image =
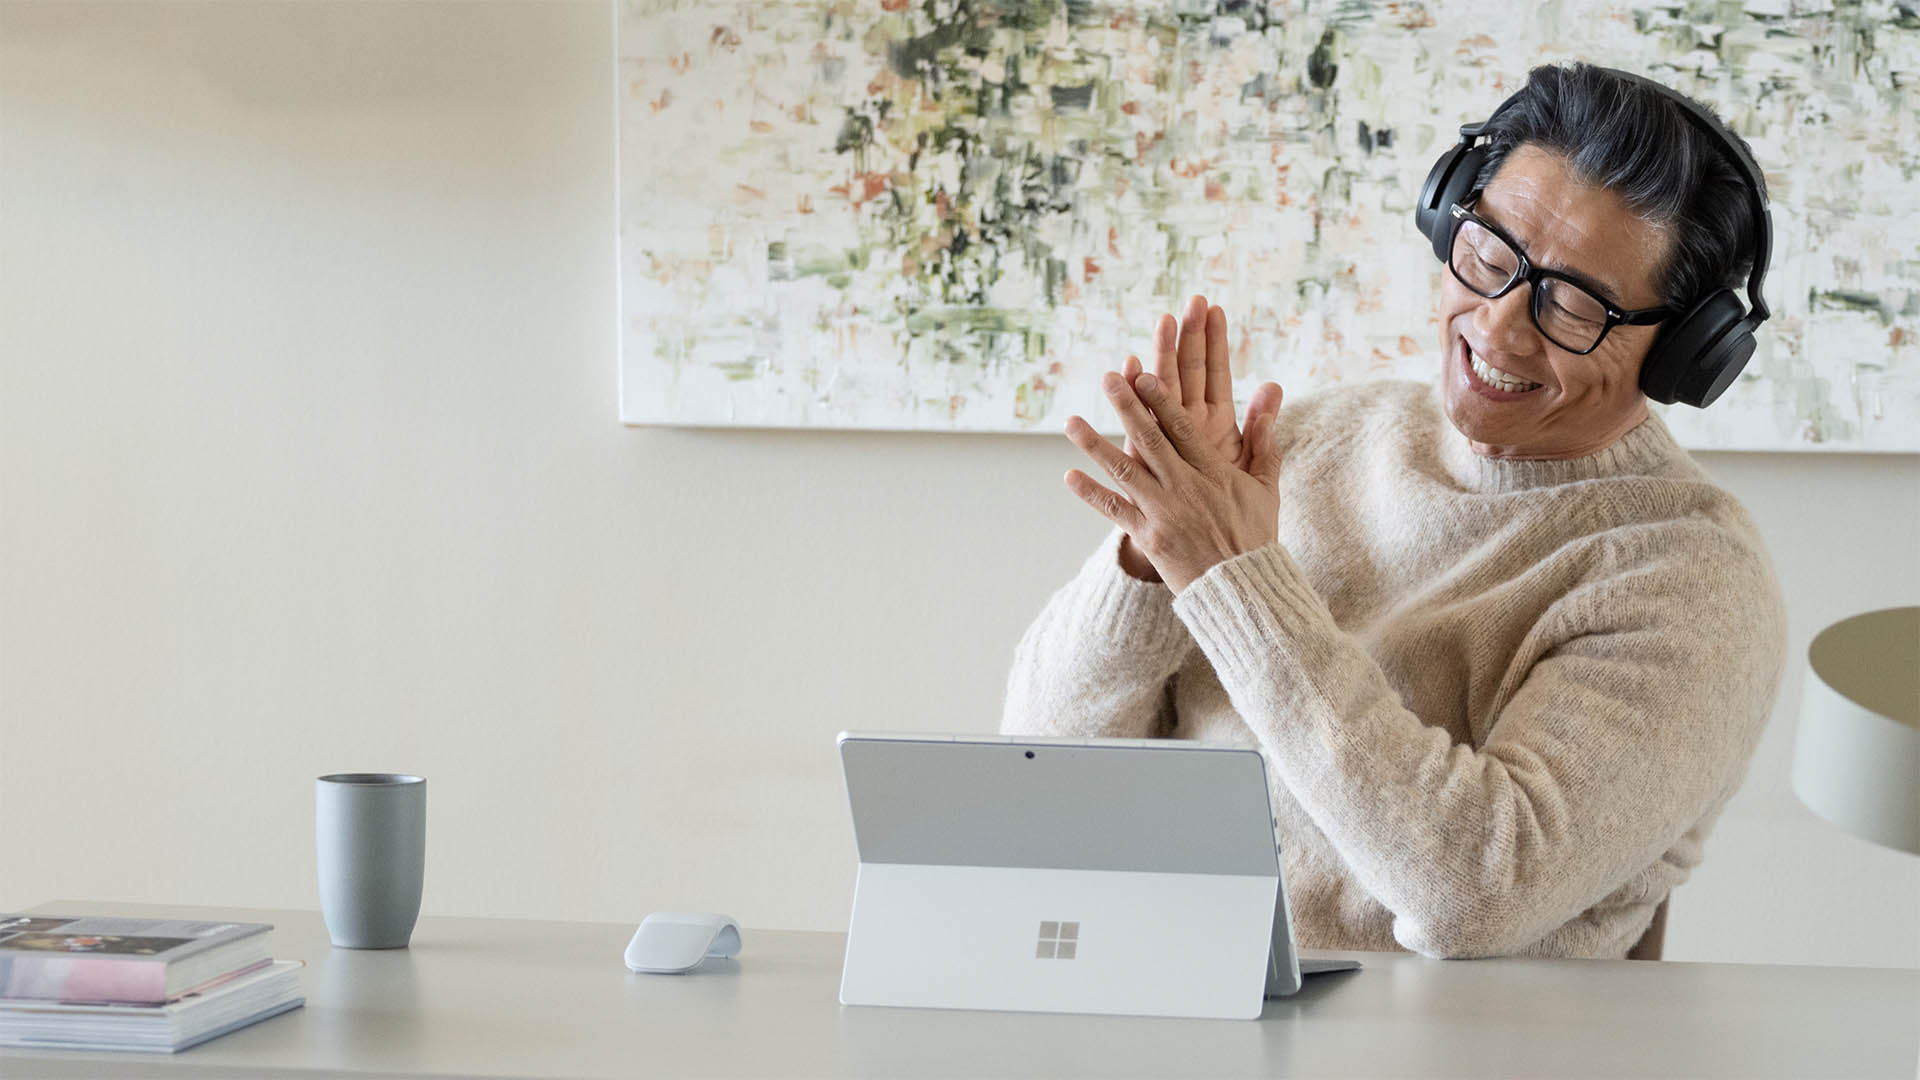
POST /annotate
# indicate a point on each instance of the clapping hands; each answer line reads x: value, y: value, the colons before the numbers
x: 1195, y: 487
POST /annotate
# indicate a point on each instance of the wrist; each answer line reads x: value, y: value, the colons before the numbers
x: 1135, y: 564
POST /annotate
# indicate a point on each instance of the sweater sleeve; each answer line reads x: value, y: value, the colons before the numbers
x: 1637, y: 721
x: 1097, y: 659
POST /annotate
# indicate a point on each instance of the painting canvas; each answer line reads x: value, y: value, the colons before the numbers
x: 954, y: 214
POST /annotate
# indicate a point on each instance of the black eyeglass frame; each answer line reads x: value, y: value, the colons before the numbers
x: 1526, y: 271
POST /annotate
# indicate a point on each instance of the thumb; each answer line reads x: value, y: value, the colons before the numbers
x: 1264, y: 457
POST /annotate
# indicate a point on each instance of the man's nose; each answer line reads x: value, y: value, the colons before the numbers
x: 1506, y: 324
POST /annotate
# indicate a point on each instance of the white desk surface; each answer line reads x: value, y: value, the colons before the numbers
x: 499, y: 997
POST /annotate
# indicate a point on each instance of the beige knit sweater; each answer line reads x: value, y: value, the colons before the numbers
x: 1501, y: 702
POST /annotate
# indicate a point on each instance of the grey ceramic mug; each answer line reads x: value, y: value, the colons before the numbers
x: 370, y: 840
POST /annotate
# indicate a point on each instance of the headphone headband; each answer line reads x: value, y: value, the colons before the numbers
x: 1745, y: 165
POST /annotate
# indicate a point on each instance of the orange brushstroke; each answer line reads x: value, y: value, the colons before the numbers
x: 1088, y: 268
x: 1408, y: 346
x: 1113, y: 241
x: 1142, y: 144
x: 665, y: 99
x: 1131, y: 108
x: 870, y: 185
x: 762, y: 127
x: 1216, y: 191
x: 806, y: 204
x: 723, y: 38
x: 1414, y: 19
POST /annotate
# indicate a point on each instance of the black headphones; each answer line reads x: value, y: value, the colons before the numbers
x: 1698, y: 354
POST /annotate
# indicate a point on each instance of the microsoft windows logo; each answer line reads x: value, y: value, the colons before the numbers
x: 1058, y: 941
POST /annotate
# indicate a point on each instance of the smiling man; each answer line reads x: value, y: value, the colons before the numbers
x: 1506, y: 649
x: 1537, y: 371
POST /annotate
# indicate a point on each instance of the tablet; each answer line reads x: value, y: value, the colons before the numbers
x: 1124, y: 876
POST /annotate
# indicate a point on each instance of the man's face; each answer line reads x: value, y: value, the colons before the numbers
x: 1582, y: 403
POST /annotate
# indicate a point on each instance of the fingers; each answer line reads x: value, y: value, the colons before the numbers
x: 1192, y: 387
x: 1146, y: 439
x: 1166, y: 355
x: 1174, y: 420
x: 1124, y: 468
x: 1219, y: 368
x: 1104, y: 500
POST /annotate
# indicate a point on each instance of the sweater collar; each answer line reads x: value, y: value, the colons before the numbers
x: 1643, y: 450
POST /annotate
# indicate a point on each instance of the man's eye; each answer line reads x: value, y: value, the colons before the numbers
x: 1575, y: 316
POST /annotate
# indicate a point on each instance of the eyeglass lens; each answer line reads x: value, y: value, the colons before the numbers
x: 1568, y: 315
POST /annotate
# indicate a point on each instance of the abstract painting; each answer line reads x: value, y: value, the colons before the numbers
x: 954, y: 214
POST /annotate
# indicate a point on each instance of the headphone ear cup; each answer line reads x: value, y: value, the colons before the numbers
x: 1448, y: 182
x: 1699, y: 355
x: 1719, y: 366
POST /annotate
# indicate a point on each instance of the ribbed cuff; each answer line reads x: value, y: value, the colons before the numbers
x: 1256, y: 618
x: 1124, y: 613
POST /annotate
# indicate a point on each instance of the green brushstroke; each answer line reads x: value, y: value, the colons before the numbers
x: 1842, y: 300
x: 1321, y: 68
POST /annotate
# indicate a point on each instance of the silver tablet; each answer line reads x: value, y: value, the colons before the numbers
x: 1064, y: 875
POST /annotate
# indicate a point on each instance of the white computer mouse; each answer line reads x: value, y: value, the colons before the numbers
x: 671, y: 942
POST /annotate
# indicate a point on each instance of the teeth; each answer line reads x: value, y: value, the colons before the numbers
x: 1496, y: 377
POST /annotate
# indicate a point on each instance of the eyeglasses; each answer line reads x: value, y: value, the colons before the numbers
x: 1568, y: 311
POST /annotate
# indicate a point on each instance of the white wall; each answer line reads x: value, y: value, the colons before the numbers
x: 309, y: 462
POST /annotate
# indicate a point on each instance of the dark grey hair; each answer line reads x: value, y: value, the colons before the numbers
x: 1628, y: 137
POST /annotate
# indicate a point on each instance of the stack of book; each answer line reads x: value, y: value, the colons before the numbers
x: 84, y: 982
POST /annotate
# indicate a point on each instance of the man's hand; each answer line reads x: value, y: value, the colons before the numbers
x: 1191, y: 361
x: 1185, y: 505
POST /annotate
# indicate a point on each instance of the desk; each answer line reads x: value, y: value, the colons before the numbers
x: 498, y: 997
